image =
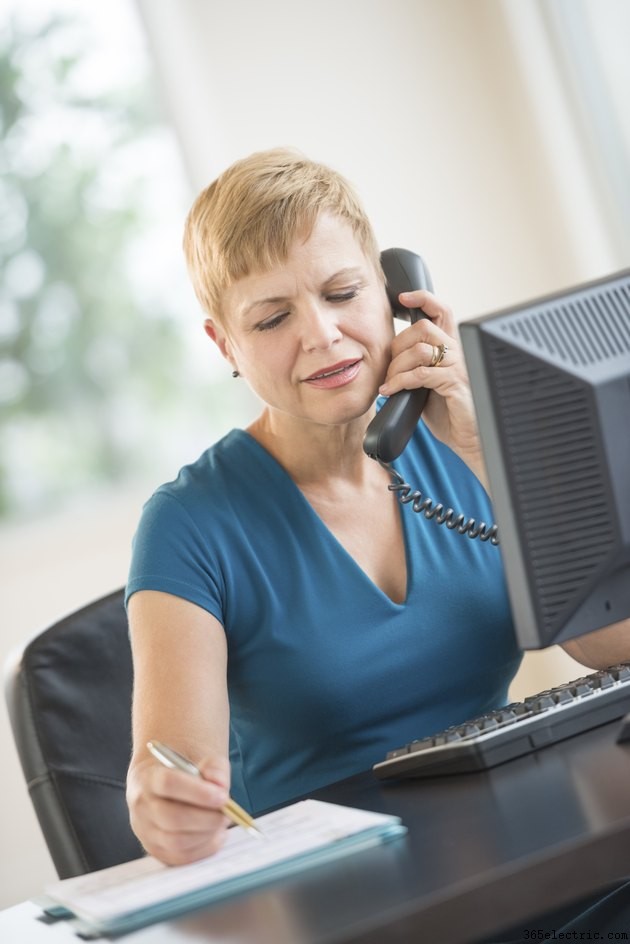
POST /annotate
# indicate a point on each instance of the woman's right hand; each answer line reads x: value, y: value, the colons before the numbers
x: 177, y: 817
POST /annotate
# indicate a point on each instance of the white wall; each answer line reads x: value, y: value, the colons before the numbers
x: 451, y: 118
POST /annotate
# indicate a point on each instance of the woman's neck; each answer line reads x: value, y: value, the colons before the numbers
x: 313, y: 453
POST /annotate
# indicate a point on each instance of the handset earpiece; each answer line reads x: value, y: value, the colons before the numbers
x: 392, y: 427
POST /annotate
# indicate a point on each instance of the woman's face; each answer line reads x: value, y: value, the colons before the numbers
x: 311, y: 336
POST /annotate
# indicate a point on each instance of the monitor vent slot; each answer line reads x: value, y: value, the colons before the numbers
x: 551, y: 437
x: 590, y: 327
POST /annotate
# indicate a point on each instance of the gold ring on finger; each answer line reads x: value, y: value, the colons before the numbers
x: 442, y: 350
x: 435, y: 357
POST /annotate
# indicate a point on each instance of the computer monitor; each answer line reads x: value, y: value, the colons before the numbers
x: 551, y: 386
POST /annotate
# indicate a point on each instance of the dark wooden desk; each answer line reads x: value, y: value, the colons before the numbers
x: 483, y: 851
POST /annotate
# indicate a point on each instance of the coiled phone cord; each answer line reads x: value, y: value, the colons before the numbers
x: 435, y: 511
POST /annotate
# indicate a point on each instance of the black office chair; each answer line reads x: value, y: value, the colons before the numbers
x: 69, y: 699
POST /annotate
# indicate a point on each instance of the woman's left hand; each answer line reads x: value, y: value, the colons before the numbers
x: 449, y: 411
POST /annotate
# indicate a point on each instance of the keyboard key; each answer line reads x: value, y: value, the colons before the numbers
x: 507, y: 715
x: 543, y: 702
x: 420, y: 745
x: 399, y: 752
x: 521, y: 709
x: 563, y: 696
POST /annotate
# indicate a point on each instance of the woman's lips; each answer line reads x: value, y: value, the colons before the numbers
x: 337, y: 375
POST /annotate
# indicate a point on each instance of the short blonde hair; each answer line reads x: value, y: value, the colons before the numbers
x: 247, y: 219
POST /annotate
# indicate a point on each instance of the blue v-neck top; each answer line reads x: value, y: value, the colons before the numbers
x: 325, y: 672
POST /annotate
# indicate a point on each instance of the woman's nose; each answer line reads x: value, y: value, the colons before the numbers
x: 320, y: 328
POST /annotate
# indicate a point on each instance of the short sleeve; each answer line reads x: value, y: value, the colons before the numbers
x: 169, y: 553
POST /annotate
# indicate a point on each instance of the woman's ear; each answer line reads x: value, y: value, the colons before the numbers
x: 218, y: 335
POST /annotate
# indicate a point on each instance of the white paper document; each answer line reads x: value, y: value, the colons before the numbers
x: 145, y: 890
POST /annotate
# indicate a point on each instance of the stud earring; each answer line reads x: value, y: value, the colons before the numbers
x: 235, y: 373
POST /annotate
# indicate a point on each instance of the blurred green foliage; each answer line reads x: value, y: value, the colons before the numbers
x: 85, y: 355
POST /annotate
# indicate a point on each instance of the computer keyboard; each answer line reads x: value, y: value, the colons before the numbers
x: 517, y: 729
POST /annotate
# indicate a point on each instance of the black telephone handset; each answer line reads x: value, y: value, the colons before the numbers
x: 392, y: 427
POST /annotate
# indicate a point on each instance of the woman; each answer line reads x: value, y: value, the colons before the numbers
x: 290, y: 623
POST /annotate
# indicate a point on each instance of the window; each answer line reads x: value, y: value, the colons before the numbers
x: 589, y: 38
x: 104, y: 370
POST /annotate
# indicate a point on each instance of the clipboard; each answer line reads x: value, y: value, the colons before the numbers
x: 137, y: 893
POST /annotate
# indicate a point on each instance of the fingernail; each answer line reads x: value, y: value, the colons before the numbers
x: 384, y: 389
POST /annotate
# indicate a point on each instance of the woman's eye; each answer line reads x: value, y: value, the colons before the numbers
x: 273, y: 322
x: 343, y: 296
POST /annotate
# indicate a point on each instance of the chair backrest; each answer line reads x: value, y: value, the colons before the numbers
x: 69, y: 699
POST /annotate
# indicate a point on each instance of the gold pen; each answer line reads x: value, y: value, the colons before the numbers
x: 170, y: 758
